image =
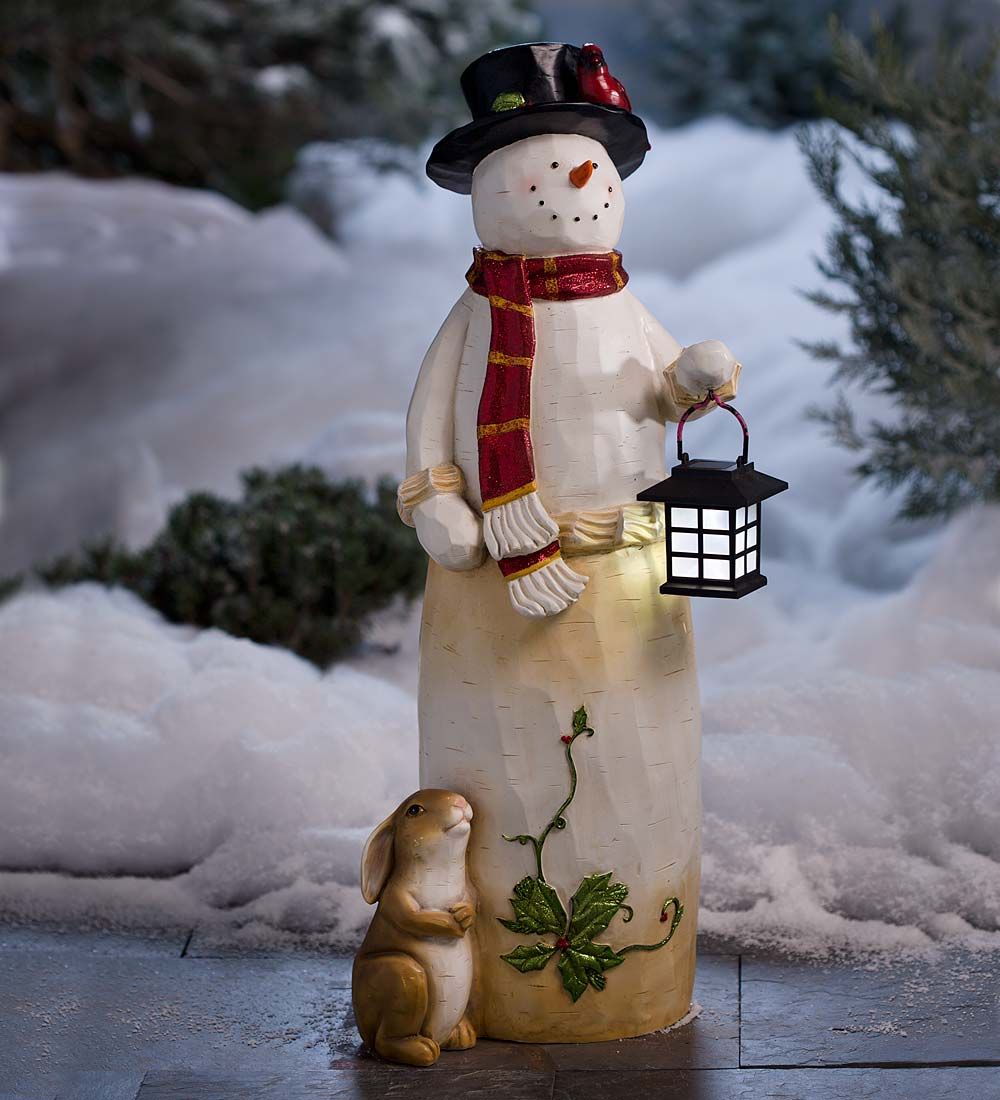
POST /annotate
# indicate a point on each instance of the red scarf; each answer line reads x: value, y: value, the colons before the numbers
x: 506, y: 463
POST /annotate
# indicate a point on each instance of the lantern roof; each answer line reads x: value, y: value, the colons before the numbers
x: 713, y: 484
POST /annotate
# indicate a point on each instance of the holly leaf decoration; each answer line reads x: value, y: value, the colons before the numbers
x: 537, y: 908
x: 605, y: 959
x: 529, y: 958
x: 583, y: 964
x: 594, y: 905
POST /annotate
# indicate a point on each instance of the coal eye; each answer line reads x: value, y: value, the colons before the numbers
x: 415, y: 810
x: 555, y: 164
x: 593, y: 164
x: 534, y: 188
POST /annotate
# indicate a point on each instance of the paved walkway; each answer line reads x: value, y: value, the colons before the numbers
x: 107, y: 1017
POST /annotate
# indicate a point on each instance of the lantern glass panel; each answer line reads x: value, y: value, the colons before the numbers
x: 684, y: 517
x: 752, y: 536
x: 741, y: 566
x: 752, y: 512
x: 741, y: 542
x: 683, y: 567
x: 715, y: 544
x: 715, y: 519
x: 684, y: 542
x: 751, y: 561
x: 717, y: 570
x: 741, y: 517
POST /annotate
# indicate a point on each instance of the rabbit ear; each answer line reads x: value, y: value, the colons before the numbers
x: 376, y: 861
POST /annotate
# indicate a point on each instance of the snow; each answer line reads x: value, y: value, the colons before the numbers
x: 157, y: 340
x: 198, y: 775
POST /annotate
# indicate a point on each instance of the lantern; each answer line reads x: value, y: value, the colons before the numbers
x: 713, y: 519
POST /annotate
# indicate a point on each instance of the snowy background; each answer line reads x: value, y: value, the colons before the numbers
x: 156, y: 340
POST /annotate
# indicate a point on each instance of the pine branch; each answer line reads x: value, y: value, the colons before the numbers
x: 918, y: 267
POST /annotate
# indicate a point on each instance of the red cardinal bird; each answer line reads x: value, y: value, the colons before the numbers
x: 596, y: 83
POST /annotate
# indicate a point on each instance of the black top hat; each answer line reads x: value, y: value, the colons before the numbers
x: 523, y: 91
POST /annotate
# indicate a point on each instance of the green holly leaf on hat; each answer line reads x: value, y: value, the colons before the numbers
x: 508, y: 101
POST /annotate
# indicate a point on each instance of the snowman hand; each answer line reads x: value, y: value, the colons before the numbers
x: 708, y: 365
x: 450, y: 531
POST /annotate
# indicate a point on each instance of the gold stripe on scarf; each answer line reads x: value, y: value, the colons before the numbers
x: 502, y: 360
x: 514, y: 494
x: 506, y: 303
x: 504, y: 426
x: 508, y: 577
x: 551, y: 278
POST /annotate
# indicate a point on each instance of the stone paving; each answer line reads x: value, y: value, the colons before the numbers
x: 99, y: 1016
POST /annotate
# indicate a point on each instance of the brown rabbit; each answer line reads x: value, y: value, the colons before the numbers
x: 413, y: 974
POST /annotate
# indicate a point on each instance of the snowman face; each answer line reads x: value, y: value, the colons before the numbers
x: 548, y: 195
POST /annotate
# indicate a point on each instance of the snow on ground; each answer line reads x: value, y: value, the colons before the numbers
x: 157, y: 340
x: 200, y: 777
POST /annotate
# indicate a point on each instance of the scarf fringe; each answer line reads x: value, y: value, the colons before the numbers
x: 547, y: 590
x: 520, y: 526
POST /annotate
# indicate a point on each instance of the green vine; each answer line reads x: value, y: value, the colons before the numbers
x: 538, y: 909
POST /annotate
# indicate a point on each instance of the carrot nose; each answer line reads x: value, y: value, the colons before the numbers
x: 579, y: 175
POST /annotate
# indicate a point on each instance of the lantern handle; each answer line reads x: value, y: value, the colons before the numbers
x: 682, y: 456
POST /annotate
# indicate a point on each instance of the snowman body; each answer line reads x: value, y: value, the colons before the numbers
x: 499, y: 688
x: 598, y: 436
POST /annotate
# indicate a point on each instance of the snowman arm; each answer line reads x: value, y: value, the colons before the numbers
x: 685, y: 374
x: 666, y: 350
x: 430, y: 419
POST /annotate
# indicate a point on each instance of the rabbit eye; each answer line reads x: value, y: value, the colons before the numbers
x: 415, y: 810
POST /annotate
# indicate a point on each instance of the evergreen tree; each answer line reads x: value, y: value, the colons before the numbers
x: 763, y: 62
x: 919, y: 264
x: 298, y: 561
x: 221, y: 93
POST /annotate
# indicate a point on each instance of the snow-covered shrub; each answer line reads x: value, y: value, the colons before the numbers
x: 332, y: 179
x: 222, y: 93
x: 299, y: 561
x: 920, y: 265
x: 9, y: 585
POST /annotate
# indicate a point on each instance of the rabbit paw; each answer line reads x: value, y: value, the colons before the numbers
x: 462, y: 1038
x: 413, y: 1050
x: 465, y: 914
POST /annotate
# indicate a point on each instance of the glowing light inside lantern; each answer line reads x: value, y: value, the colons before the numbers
x: 698, y: 549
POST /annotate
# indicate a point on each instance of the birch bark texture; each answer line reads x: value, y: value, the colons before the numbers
x: 497, y: 692
x: 497, y: 689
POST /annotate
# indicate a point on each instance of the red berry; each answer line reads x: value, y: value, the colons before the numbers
x: 562, y: 943
x: 565, y: 738
x: 663, y: 918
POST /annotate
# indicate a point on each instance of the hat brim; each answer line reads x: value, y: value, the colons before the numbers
x: 456, y: 155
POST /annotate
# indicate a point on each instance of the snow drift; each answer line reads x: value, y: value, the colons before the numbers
x: 157, y: 340
x: 185, y: 775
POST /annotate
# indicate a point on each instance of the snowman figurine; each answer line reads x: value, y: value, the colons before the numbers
x: 558, y: 690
